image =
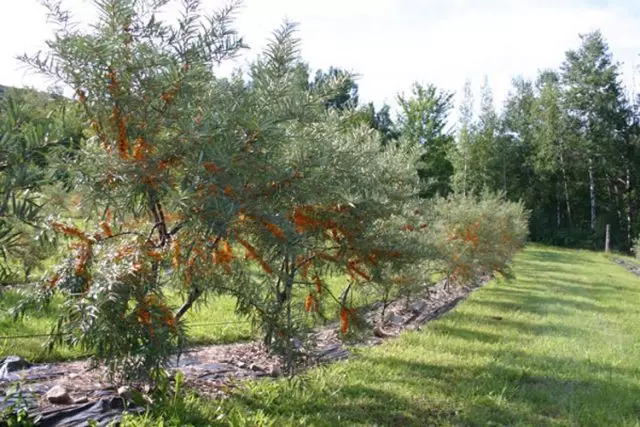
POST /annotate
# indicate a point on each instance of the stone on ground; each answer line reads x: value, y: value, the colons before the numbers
x: 59, y: 395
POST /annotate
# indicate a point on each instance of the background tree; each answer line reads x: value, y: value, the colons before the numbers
x: 514, y: 144
x: 461, y: 156
x: 550, y: 155
x: 380, y: 120
x: 630, y: 170
x: 343, y: 85
x: 485, y: 166
x: 595, y: 107
x: 565, y: 145
x: 422, y: 121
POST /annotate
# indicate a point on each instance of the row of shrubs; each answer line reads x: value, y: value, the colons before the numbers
x: 249, y: 186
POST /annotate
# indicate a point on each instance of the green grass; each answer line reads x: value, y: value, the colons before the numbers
x: 35, y: 323
x: 557, y: 346
x: 214, y: 322
x: 211, y: 322
x: 626, y: 257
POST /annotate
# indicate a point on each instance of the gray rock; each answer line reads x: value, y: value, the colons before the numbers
x: 12, y: 364
x: 59, y: 395
x: 83, y: 399
x: 241, y: 365
x: 256, y: 368
x: 393, y: 319
x: 125, y: 392
x: 275, y: 371
x: 418, y: 306
x: 331, y: 353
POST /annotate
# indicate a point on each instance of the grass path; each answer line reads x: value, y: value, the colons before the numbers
x: 557, y: 346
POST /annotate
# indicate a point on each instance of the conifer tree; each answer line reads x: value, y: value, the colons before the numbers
x: 345, y: 93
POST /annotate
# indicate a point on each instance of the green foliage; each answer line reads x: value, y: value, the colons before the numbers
x: 341, y: 83
x: 17, y: 413
x: 380, y: 120
x: 596, y: 110
x: 566, y: 145
x: 514, y: 145
x: 211, y: 321
x: 170, y: 405
x: 33, y: 128
x: 262, y: 188
x: 477, y: 159
x: 478, y: 235
x: 38, y: 321
x: 422, y: 121
x: 461, y: 156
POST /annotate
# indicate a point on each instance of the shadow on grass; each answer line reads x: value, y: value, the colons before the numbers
x: 544, y: 305
x: 468, y: 334
x: 522, y: 329
x: 502, y: 395
x: 557, y: 256
x: 353, y: 404
x: 489, y: 378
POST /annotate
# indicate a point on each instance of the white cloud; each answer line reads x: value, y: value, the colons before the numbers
x: 393, y: 43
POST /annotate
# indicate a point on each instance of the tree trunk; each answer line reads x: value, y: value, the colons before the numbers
x: 629, y: 209
x: 464, y: 178
x: 566, y: 187
x: 504, y: 175
x: 558, y: 207
x: 193, y: 296
x: 291, y: 274
x: 592, y: 195
x: 619, y: 199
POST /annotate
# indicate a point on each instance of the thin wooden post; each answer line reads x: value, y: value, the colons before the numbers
x: 607, y: 240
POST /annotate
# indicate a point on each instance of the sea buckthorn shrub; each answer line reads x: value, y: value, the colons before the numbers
x: 478, y: 235
x: 245, y: 186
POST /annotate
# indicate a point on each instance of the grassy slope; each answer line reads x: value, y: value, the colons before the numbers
x: 560, y: 345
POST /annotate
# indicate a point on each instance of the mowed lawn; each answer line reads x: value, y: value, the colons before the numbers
x: 557, y: 346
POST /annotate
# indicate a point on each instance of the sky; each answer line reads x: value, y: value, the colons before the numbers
x: 392, y: 43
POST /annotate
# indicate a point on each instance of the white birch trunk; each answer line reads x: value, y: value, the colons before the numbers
x: 592, y: 195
